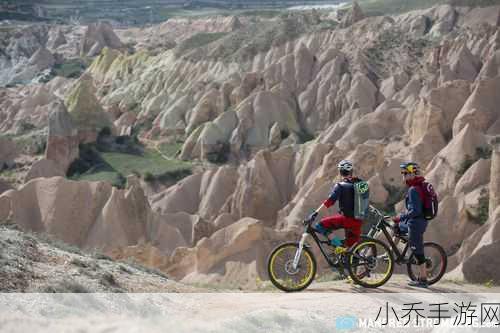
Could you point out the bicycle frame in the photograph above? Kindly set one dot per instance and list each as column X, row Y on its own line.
column 310, row 231
column 382, row 226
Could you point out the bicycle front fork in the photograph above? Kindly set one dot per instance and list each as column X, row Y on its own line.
column 296, row 259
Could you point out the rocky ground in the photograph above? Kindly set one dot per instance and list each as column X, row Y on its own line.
column 36, row 263
column 197, row 145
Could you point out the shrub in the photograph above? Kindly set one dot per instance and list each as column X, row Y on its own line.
column 108, row 280
column 141, row 126
column 87, row 159
column 48, row 239
column 483, row 207
column 464, row 166
column 80, row 263
column 121, row 140
column 148, row 177
column 305, row 136
column 220, row 156
column 481, row 153
column 105, row 131
column 484, row 152
column 24, row 126
column 72, row 68
column 65, row 286
column 101, row 256
column 119, row 181
column 284, row 134
column 174, row 176
column 495, row 140
column 40, row 146
column 134, row 264
column 483, row 204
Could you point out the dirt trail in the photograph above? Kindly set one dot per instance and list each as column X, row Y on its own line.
column 317, row 310
column 398, row 284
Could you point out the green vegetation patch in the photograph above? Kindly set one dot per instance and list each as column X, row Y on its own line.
column 150, row 161
column 71, row 68
column 170, row 149
column 32, row 141
column 483, row 207
column 98, row 163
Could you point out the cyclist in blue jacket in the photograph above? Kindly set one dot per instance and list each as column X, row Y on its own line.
column 412, row 221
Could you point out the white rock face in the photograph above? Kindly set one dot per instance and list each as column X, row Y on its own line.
column 354, row 15
column 98, row 36
column 480, row 110
column 494, row 186
column 107, row 217
column 62, row 141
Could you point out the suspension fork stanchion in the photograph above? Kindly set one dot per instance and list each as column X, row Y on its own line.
column 299, row 250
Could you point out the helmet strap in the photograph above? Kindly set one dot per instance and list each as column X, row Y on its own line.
column 345, row 173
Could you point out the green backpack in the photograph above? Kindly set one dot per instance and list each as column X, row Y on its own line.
column 361, row 199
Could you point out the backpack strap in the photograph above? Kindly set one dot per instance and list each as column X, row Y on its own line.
column 421, row 192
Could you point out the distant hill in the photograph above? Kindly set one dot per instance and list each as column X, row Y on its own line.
column 131, row 11
column 382, row 7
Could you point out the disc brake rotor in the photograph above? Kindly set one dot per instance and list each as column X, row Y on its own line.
column 289, row 268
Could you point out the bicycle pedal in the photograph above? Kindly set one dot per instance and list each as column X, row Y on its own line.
column 349, row 280
column 364, row 274
column 340, row 250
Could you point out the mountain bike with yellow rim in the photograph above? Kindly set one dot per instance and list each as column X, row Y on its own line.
column 292, row 266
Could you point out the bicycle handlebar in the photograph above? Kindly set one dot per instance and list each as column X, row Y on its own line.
column 376, row 211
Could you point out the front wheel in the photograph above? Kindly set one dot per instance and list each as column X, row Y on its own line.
column 436, row 263
column 281, row 271
column 370, row 263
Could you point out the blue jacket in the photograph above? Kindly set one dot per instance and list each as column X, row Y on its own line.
column 414, row 206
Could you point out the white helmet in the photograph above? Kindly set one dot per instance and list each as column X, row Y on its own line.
column 345, row 165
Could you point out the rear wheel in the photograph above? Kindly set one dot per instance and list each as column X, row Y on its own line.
column 281, row 271
column 370, row 263
column 436, row 263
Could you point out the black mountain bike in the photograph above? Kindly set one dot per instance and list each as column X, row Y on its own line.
column 436, row 258
column 292, row 266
